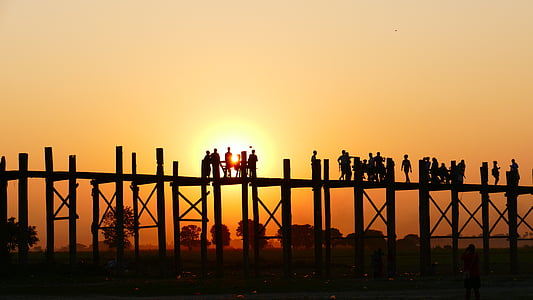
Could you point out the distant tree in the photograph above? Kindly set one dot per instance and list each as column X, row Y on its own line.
column 16, row 233
column 110, row 231
column 225, row 235
column 409, row 242
column 251, row 234
column 303, row 236
column 336, row 237
column 190, row 236
column 374, row 239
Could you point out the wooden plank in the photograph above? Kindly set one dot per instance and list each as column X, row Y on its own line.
column 244, row 209
column 119, row 202
column 161, row 230
column 391, row 218
column 49, row 198
column 359, row 221
column 4, row 253
column 96, row 220
column 456, row 185
column 286, row 219
column 484, row 171
column 424, row 220
column 327, row 219
column 317, row 215
column 23, row 207
column 176, row 219
column 72, row 206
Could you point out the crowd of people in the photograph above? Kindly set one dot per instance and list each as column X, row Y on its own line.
column 229, row 164
column 374, row 169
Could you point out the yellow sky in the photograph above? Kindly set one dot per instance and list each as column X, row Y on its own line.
column 450, row 79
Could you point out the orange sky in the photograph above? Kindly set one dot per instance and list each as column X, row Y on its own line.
column 449, row 79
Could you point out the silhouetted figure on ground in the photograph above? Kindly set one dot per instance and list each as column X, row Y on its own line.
column 515, row 176
column 215, row 160
column 434, row 170
column 406, row 167
column 495, row 172
column 444, row 174
column 461, row 168
column 252, row 164
column 380, row 167
column 228, row 157
column 206, row 164
column 237, row 166
column 377, row 263
column 426, row 165
column 313, row 157
column 471, row 271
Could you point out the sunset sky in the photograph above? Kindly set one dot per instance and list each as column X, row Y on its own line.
column 450, row 79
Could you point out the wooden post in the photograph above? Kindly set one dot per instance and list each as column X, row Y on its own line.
column 176, row 218
column 119, row 198
column 484, row 170
column 3, row 216
column 455, row 217
column 245, row 229
column 255, row 211
column 49, row 196
column 161, row 232
column 203, row 236
column 286, row 218
column 72, row 215
column 512, row 215
column 424, row 219
column 327, row 218
column 391, row 218
column 359, row 222
column 317, row 215
column 96, row 221
column 217, row 201
column 135, row 203
column 23, row 207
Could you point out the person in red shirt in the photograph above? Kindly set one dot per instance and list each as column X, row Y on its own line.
column 471, row 271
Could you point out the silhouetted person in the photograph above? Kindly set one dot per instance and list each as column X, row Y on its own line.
column 380, row 167
column 215, row 160
column 461, row 168
column 252, row 164
column 228, row 157
column 377, row 263
column 471, row 271
column 364, row 168
column 495, row 172
column 237, row 166
column 313, row 158
column 371, row 168
column 434, row 170
column 342, row 164
column 444, row 174
column 514, row 171
column 206, row 164
column 406, row 167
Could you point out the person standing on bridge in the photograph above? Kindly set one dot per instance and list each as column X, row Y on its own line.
column 406, row 167
column 495, row 172
column 313, row 158
column 215, row 161
column 206, row 164
column 252, row 164
column 515, row 176
column 228, row 157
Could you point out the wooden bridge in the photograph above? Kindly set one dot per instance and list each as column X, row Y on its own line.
column 320, row 183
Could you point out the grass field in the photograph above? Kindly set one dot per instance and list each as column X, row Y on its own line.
column 60, row 280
